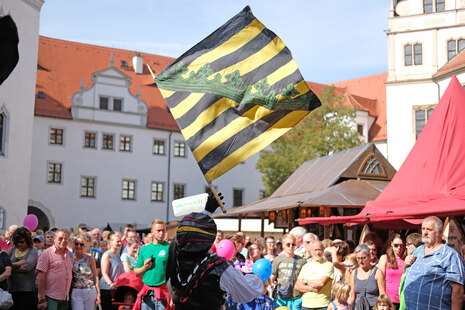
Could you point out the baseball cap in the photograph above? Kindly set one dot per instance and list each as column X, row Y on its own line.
column 39, row 237
column 83, row 226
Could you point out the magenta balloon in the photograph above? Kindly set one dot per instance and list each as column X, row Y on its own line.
column 225, row 248
column 31, row 222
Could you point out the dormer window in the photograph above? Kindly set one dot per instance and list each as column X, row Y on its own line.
column 372, row 167
column 117, row 104
column 124, row 64
column 103, row 103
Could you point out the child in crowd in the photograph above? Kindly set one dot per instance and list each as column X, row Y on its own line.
column 383, row 303
column 350, row 263
column 340, row 293
column 129, row 298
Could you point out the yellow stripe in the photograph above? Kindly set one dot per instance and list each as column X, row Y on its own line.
column 189, row 228
column 184, row 106
column 166, row 93
column 247, row 119
column 256, row 60
column 282, row 72
column 207, row 116
column 233, row 44
column 255, row 145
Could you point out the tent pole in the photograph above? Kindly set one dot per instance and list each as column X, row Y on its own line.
column 262, row 232
column 239, row 223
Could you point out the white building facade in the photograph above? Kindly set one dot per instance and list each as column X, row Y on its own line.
column 104, row 165
column 424, row 36
column 17, row 112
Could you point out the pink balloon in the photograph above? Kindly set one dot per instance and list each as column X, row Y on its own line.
column 31, row 222
column 226, row 249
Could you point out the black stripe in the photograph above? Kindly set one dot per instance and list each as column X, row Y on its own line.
column 247, row 50
column 218, row 37
column 173, row 100
column 279, row 60
column 238, row 140
column 204, row 103
column 217, row 124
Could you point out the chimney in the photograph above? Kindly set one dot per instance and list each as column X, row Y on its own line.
column 138, row 63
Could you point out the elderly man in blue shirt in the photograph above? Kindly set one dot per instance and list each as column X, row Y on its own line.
column 435, row 277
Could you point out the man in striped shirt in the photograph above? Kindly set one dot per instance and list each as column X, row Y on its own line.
column 435, row 277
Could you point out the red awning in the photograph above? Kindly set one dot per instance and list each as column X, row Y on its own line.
column 431, row 181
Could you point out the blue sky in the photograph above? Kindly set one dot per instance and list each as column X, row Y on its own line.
column 331, row 40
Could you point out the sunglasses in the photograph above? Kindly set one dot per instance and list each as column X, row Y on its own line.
column 289, row 244
column 397, row 245
column 78, row 244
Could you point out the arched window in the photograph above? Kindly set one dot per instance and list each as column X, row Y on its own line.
column 372, row 167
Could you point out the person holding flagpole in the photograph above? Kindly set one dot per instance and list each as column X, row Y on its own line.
column 198, row 279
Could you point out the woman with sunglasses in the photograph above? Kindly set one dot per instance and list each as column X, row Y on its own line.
column 22, row 282
column 85, row 285
column 391, row 264
column 366, row 278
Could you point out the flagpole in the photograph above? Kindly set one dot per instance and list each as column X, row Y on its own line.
column 151, row 72
column 212, row 188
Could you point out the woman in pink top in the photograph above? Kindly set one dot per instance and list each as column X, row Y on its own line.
column 392, row 264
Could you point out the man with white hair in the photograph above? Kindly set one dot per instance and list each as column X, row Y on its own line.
column 315, row 279
column 308, row 238
column 298, row 232
column 435, row 276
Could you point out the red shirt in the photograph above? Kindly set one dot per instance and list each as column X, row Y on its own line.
column 58, row 272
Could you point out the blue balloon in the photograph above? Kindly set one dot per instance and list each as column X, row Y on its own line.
column 262, row 268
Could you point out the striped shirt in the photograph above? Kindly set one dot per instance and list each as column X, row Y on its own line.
column 58, row 272
column 427, row 282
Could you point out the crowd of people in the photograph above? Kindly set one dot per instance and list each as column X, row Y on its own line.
column 60, row 269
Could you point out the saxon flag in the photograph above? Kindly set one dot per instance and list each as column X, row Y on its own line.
column 234, row 93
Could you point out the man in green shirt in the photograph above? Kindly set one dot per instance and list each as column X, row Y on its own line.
column 151, row 265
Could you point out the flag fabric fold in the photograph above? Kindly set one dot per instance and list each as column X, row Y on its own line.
column 234, row 93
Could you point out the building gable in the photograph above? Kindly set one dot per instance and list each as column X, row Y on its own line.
column 109, row 100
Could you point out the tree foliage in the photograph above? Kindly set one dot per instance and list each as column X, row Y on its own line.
column 330, row 128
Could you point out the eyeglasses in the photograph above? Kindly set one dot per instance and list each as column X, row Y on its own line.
column 362, row 258
column 289, row 244
column 397, row 245
column 309, row 241
column 349, row 265
column 78, row 244
column 408, row 243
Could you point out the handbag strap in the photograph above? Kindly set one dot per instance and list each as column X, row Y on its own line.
column 366, row 283
column 293, row 270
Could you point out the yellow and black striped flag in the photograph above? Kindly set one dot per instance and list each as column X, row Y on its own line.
column 234, row 93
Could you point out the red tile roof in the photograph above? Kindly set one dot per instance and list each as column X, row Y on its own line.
column 62, row 65
column 455, row 64
column 370, row 92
